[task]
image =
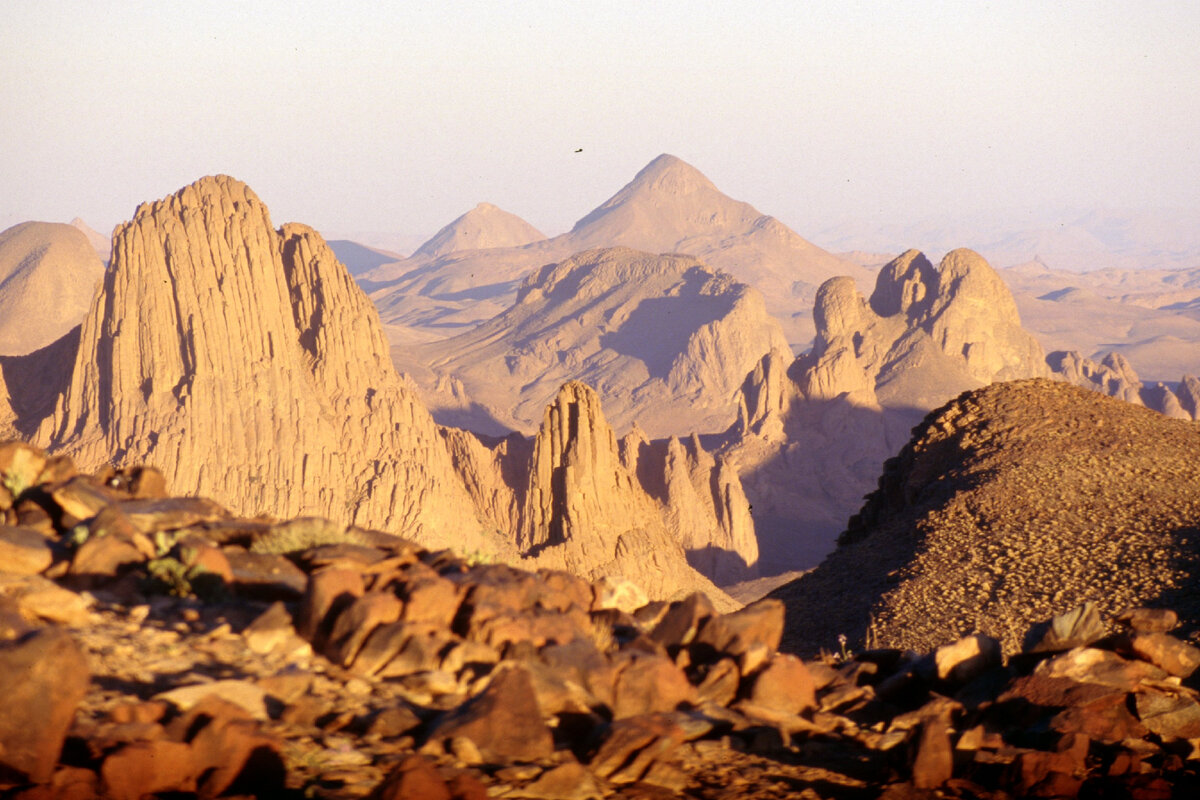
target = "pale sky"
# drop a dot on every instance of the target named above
(399, 117)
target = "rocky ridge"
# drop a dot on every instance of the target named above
(211, 655)
(1115, 376)
(813, 433)
(1009, 502)
(666, 338)
(217, 339)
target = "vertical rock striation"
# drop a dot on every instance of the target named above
(246, 364)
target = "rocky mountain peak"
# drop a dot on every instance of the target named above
(484, 226)
(247, 363)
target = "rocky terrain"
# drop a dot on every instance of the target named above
(1011, 502)
(245, 362)
(666, 339)
(668, 207)
(153, 646)
(48, 274)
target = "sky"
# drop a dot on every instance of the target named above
(398, 117)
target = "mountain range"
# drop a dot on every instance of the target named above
(595, 406)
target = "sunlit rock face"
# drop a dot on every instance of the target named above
(245, 362)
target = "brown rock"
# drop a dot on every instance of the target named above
(1042, 774)
(967, 659)
(570, 781)
(720, 683)
(431, 599)
(760, 623)
(43, 677)
(356, 623)
(1090, 665)
(329, 591)
(232, 754)
(20, 466)
(270, 629)
(267, 576)
(1170, 716)
(1078, 627)
(413, 778)
(785, 685)
(934, 763)
(38, 598)
(632, 744)
(1165, 652)
(1106, 719)
(81, 499)
(103, 557)
(1149, 620)
(683, 620)
(504, 721)
(143, 768)
(24, 551)
(648, 683)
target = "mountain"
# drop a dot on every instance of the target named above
(669, 206)
(245, 362)
(358, 258)
(812, 434)
(101, 243)
(1008, 501)
(48, 274)
(482, 228)
(666, 339)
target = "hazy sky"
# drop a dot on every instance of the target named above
(401, 116)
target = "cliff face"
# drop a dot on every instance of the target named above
(246, 364)
(587, 513)
(814, 434)
(925, 335)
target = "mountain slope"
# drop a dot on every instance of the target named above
(48, 273)
(483, 227)
(1009, 503)
(666, 339)
(669, 206)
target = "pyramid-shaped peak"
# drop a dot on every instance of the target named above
(484, 226)
(671, 174)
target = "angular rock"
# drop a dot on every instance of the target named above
(413, 778)
(1170, 716)
(632, 744)
(356, 623)
(328, 592)
(504, 721)
(143, 768)
(43, 678)
(1149, 620)
(1090, 665)
(570, 781)
(1165, 652)
(38, 598)
(934, 763)
(1078, 627)
(785, 684)
(24, 551)
(967, 659)
(21, 466)
(647, 684)
(760, 623)
(244, 695)
(267, 576)
(682, 620)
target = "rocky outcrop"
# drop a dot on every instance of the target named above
(48, 274)
(585, 512)
(1115, 376)
(485, 226)
(925, 334)
(217, 340)
(1009, 502)
(814, 434)
(667, 339)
